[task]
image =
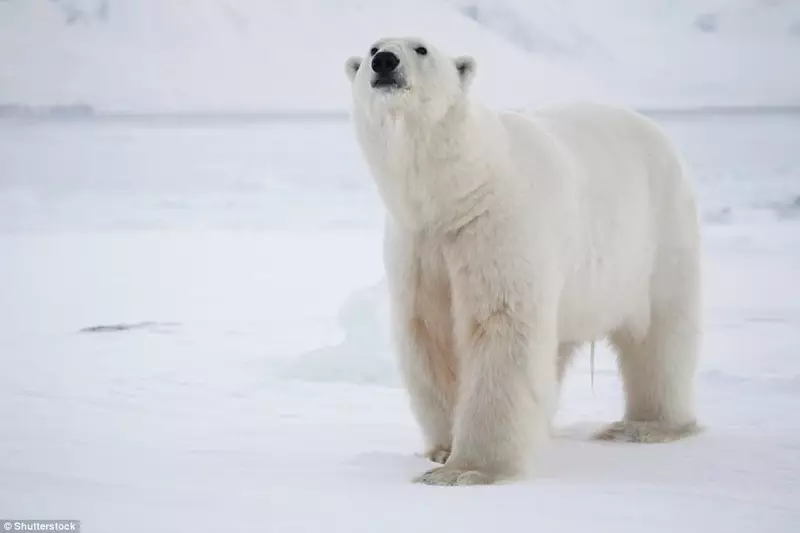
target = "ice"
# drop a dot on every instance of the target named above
(237, 373)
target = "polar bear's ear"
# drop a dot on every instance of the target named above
(351, 67)
(466, 70)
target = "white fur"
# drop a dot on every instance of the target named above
(510, 241)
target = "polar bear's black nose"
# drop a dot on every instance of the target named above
(384, 62)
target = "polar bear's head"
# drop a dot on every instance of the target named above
(409, 75)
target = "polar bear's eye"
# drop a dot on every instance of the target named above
(373, 51)
(421, 50)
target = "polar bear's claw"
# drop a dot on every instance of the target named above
(438, 455)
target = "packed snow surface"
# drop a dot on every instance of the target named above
(193, 338)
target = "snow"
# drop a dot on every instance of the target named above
(217, 56)
(193, 317)
(676, 53)
(242, 56)
(236, 372)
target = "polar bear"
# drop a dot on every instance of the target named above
(511, 240)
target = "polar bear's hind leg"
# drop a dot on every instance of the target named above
(658, 370)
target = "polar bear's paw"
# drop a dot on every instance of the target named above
(439, 454)
(645, 432)
(445, 475)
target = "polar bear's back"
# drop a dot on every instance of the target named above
(618, 189)
(602, 136)
(609, 160)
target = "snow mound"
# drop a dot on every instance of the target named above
(364, 355)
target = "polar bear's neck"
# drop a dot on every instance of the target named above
(431, 174)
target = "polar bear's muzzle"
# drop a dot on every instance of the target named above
(385, 71)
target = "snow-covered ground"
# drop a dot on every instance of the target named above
(193, 338)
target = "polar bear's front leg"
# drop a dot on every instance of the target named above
(506, 345)
(422, 333)
(507, 384)
(428, 370)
